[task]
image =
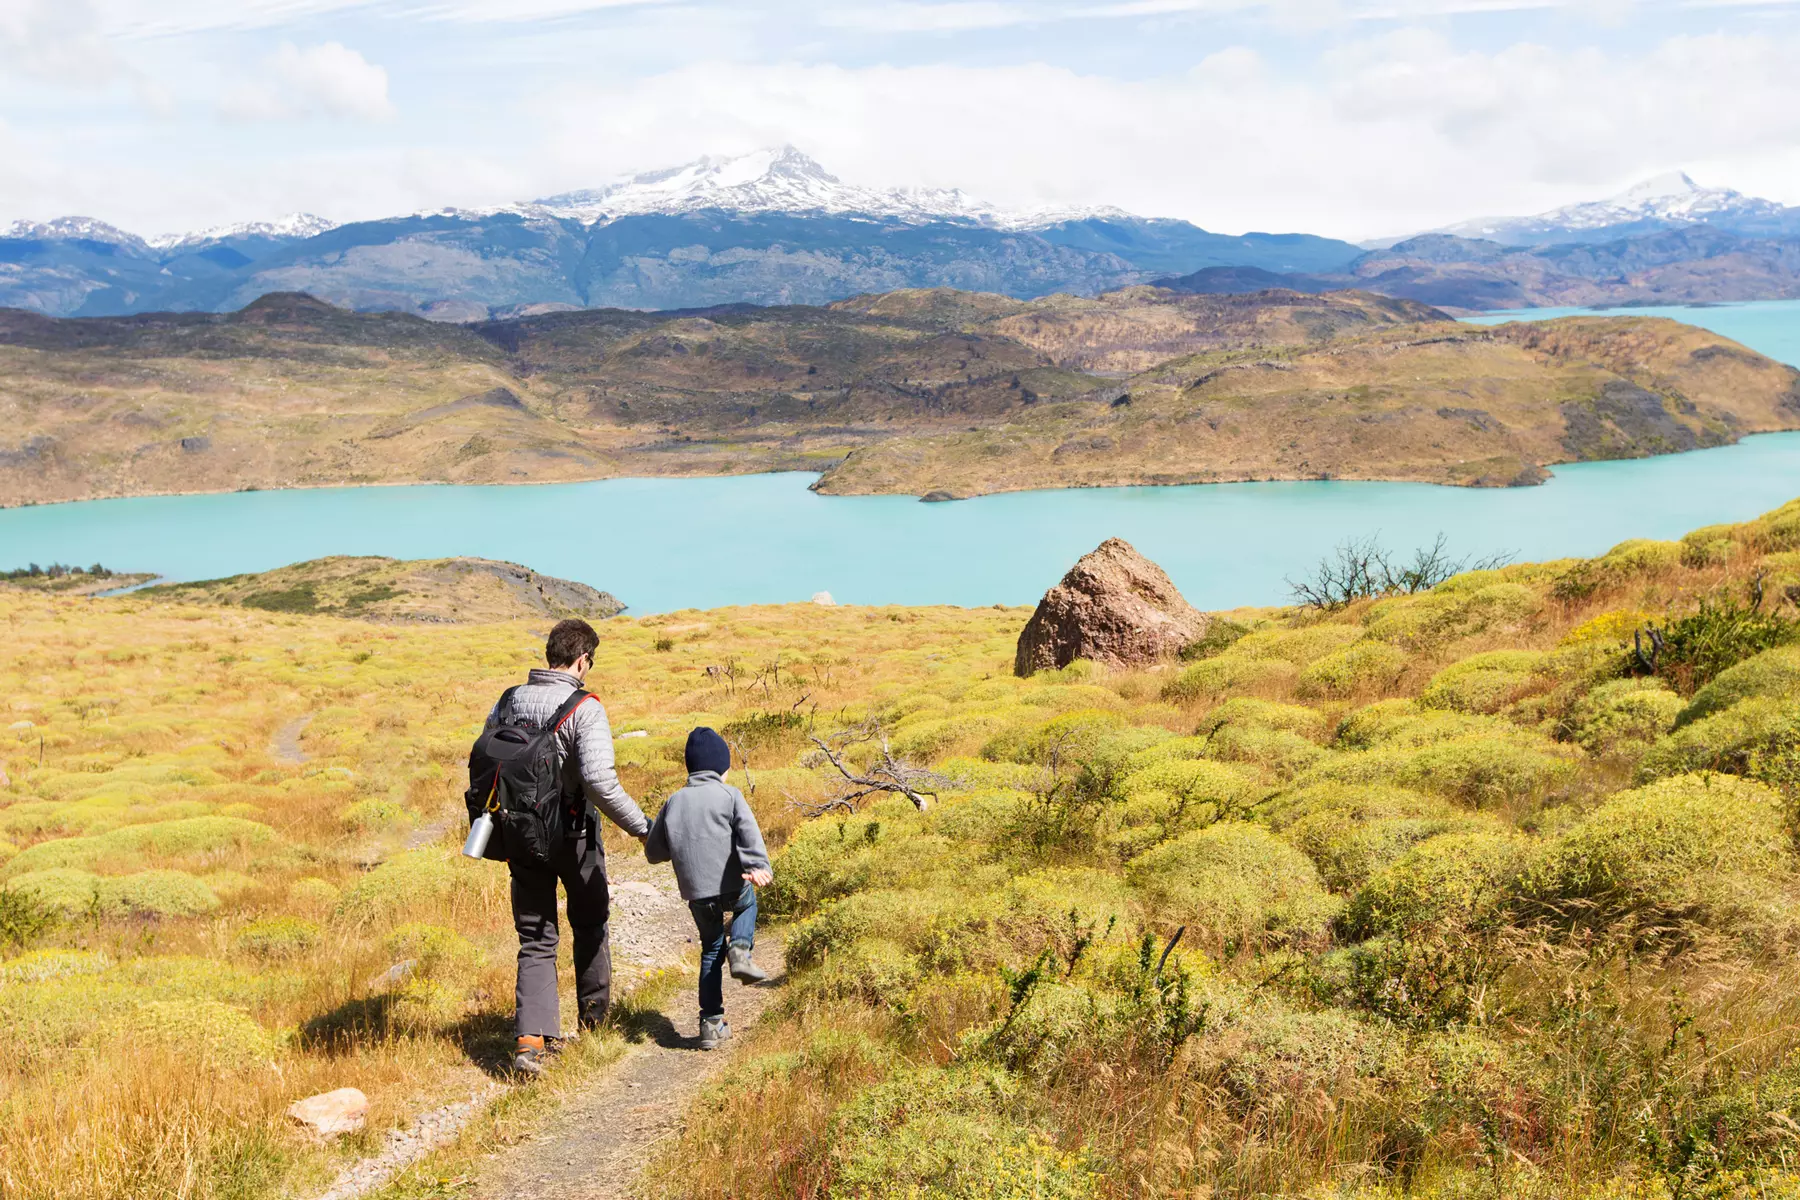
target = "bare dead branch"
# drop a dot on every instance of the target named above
(921, 785)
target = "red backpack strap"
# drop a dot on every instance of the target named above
(569, 706)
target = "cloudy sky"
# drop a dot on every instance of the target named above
(1349, 117)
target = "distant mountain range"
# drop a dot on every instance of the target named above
(776, 228)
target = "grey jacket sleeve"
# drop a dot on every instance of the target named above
(656, 849)
(594, 748)
(747, 835)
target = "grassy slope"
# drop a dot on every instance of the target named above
(1430, 943)
(221, 923)
(444, 591)
(923, 390)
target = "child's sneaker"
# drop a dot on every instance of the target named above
(713, 1030)
(742, 969)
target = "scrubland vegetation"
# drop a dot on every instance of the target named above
(1486, 890)
(194, 932)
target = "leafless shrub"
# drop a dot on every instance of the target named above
(921, 785)
(1361, 568)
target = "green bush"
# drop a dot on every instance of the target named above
(1485, 683)
(1283, 753)
(1214, 677)
(36, 966)
(1367, 665)
(158, 893)
(1722, 633)
(1623, 716)
(1402, 723)
(1475, 771)
(1193, 782)
(1758, 738)
(1773, 673)
(374, 815)
(24, 918)
(1448, 612)
(193, 841)
(277, 937)
(436, 952)
(312, 894)
(428, 880)
(1351, 832)
(949, 1132)
(1220, 635)
(1455, 880)
(1698, 849)
(1235, 881)
(1244, 712)
(1071, 735)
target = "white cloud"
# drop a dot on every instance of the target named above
(927, 18)
(329, 79)
(58, 40)
(1388, 134)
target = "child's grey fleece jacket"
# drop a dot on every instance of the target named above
(708, 831)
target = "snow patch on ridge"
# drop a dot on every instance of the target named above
(1671, 199)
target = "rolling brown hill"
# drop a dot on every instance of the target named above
(912, 392)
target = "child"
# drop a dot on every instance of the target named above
(709, 833)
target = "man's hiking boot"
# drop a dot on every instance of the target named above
(742, 969)
(531, 1056)
(713, 1030)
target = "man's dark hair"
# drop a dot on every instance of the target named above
(569, 641)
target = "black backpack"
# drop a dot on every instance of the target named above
(516, 773)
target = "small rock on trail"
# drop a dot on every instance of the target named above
(332, 1114)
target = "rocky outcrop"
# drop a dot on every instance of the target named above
(1114, 607)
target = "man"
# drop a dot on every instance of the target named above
(589, 782)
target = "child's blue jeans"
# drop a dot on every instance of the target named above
(709, 919)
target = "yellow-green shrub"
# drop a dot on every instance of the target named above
(1283, 753)
(1485, 683)
(1351, 832)
(428, 881)
(1367, 665)
(1456, 880)
(949, 1132)
(277, 937)
(1755, 737)
(1402, 723)
(1699, 848)
(373, 815)
(1623, 716)
(1213, 677)
(436, 952)
(1245, 712)
(1477, 772)
(194, 841)
(1774, 673)
(1235, 881)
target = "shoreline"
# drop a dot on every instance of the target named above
(931, 497)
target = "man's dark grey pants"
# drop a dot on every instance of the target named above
(581, 868)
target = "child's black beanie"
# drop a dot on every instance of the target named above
(707, 751)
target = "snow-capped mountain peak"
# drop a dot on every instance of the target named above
(779, 179)
(1666, 201)
(67, 229)
(294, 225)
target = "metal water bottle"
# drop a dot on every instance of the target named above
(479, 832)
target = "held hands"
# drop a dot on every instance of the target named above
(761, 877)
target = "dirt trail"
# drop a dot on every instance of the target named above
(598, 1145)
(285, 745)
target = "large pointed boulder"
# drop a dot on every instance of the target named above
(1114, 607)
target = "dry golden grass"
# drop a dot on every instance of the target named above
(138, 737)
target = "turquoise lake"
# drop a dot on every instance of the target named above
(663, 544)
